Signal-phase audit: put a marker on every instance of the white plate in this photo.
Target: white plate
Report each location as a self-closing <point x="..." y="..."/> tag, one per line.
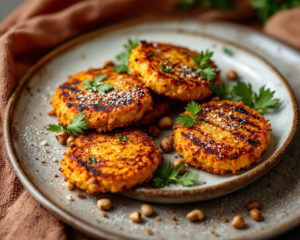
<point x="27" y="118"/>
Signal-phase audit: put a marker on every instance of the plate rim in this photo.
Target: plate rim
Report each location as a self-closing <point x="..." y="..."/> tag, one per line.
<point x="98" y="231"/>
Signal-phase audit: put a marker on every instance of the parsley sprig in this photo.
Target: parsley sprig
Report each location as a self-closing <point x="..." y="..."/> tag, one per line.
<point x="189" y="119"/>
<point x="166" y="174"/>
<point x="75" y="127"/>
<point x="166" y="69"/>
<point x="122" y="58"/>
<point x="261" y="101"/>
<point x="98" y="85"/>
<point x="203" y="66"/>
<point x="222" y="91"/>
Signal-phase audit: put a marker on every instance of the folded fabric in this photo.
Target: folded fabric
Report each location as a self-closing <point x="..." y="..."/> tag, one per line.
<point x="36" y="27"/>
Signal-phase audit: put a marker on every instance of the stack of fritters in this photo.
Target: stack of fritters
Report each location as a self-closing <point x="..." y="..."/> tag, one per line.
<point x="228" y="136"/>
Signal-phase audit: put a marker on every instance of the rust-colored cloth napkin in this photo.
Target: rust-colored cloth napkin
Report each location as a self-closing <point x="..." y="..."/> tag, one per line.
<point x="38" y="26"/>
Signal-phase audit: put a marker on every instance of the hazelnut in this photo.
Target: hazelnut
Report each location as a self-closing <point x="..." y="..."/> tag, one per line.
<point x="232" y="75"/>
<point x="148" y="231"/>
<point x="62" y="137"/>
<point x="238" y="222"/>
<point x="153" y="131"/>
<point x="69" y="186"/>
<point x="108" y="63"/>
<point x="135" y="217"/>
<point x="178" y="162"/>
<point x="195" y="215"/>
<point x="70" y="140"/>
<point x="158" y="218"/>
<point x="104" y="204"/>
<point x="256" y="214"/>
<point x="166" y="145"/>
<point x="165" y="123"/>
<point x="147" y="210"/>
<point x="253" y="204"/>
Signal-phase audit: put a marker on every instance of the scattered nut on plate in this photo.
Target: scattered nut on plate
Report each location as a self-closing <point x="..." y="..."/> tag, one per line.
<point x="104" y="204"/>
<point x="135" y="217"/>
<point x="256" y="214"/>
<point x="147" y="210"/>
<point x="153" y="131"/>
<point x="238" y="222"/>
<point x="166" y="145"/>
<point x="232" y="75"/>
<point x="178" y="162"/>
<point x="195" y="215"/>
<point x="62" y="137"/>
<point x="70" y="140"/>
<point x="165" y="123"/>
<point x="69" y="186"/>
<point x="253" y="204"/>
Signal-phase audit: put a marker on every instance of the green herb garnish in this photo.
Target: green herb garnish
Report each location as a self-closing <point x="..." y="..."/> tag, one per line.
<point x="222" y="5"/>
<point x="154" y="54"/>
<point x="189" y="119"/>
<point x="123" y="139"/>
<point x="261" y="101"/>
<point x="122" y="159"/>
<point x="105" y="87"/>
<point x="203" y="66"/>
<point x="97" y="85"/>
<point x="228" y="51"/>
<point x="122" y="58"/>
<point x="222" y="91"/>
<point x="166" y="174"/>
<point x="166" y="69"/>
<point x="266" y="8"/>
<point x="75" y="127"/>
<point x="92" y="160"/>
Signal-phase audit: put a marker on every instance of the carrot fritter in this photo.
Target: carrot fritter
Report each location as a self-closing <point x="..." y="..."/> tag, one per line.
<point x="126" y="103"/>
<point x="181" y="82"/>
<point x="228" y="136"/>
<point x="160" y="106"/>
<point x="111" y="162"/>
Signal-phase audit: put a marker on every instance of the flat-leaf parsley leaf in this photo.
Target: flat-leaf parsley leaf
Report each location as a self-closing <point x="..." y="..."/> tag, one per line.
<point x="222" y="91"/>
<point x="75" y="127"/>
<point x="92" y="160"/>
<point x="123" y="139"/>
<point x="203" y="66"/>
<point x="122" y="58"/>
<point x="166" y="174"/>
<point x="167" y="69"/>
<point x="189" y="119"/>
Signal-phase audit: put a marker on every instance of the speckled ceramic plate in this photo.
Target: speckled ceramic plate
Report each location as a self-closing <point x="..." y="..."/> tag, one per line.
<point x="26" y="121"/>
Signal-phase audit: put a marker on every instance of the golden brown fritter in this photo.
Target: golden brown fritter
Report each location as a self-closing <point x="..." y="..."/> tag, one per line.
<point x="228" y="136"/>
<point x="126" y="103"/>
<point x="184" y="84"/>
<point x="160" y="106"/>
<point x="111" y="162"/>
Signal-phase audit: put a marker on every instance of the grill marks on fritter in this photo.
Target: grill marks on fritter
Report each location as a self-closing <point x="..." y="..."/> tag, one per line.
<point x="103" y="167"/>
<point x="234" y="122"/>
<point x="81" y="99"/>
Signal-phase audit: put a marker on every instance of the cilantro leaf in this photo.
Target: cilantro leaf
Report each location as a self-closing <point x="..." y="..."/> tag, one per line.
<point x="265" y="99"/>
<point x="228" y="51"/>
<point x="244" y="91"/>
<point x="77" y="126"/>
<point x="166" y="174"/>
<point x="188" y="179"/>
<point x="208" y="73"/>
<point x="154" y="54"/>
<point x="122" y="58"/>
<point x="56" y="128"/>
<point x="203" y="66"/>
<point x="105" y="87"/>
<point x="193" y="107"/>
<point x="97" y="85"/>
<point x="189" y="119"/>
<point x="222" y="91"/>
<point x="166" y="69"/>
<point x="123" y="139"/>
<point x="92" y="160"/>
